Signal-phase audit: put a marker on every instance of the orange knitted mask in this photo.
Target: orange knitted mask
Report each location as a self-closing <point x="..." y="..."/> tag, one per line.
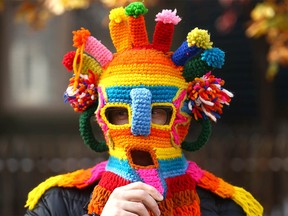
<point x="139" y="77"/>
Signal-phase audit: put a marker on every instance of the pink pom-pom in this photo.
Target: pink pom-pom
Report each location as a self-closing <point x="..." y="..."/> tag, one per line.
<point x="68" y="60"/>
<point x="167" y="17"/>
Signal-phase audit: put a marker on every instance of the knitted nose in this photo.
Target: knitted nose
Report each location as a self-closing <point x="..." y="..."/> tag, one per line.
<point x="141" y="111"/>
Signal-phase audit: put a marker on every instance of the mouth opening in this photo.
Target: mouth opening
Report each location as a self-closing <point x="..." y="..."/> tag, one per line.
<point x="141" y="158"/>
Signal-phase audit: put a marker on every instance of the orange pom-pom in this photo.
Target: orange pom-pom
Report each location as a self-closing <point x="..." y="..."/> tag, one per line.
<point x="80" y="37"/>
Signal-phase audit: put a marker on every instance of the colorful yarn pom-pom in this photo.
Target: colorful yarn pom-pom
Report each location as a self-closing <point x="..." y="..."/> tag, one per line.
<point x="207" y="97"/>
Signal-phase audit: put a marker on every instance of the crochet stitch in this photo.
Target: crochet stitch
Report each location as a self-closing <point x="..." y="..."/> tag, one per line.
<point x="139" y="76"/>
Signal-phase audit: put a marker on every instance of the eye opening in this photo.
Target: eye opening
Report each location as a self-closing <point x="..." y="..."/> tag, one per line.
<point x="117" y="115"/>
<point x="161" y="115"/>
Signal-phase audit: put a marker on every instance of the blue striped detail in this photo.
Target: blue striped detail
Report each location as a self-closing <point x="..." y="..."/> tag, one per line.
<point x="163" y="183"/>
<point x="167" y="168"/>
<point x="159" y="93"/>
<point x="122" y="168"/>
<point x="173" y="167"/>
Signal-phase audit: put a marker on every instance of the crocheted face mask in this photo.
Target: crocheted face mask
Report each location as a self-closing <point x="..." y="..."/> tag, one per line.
<point x="138" y="79"/>
<point x="155" y="83"/>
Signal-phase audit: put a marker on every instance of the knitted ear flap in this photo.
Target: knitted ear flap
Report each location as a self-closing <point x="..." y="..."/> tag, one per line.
<point x="202" y="138"/>
<point x="86" y="130"/>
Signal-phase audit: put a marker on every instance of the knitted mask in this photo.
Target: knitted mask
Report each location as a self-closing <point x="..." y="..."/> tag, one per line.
<point x="139" y="78"/>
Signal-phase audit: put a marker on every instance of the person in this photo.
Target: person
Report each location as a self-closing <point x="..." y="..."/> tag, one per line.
<point x="144" y="97"/>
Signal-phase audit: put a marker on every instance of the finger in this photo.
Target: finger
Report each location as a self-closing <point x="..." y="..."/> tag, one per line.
<point x="118" y="213"/>
<point x="119" y="208"/>
<point x="148" y="188"/>
<point x="141" y="196"/>
<point x="135" y="207"/>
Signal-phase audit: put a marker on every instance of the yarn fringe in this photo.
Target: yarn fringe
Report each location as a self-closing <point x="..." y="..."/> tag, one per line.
<point x="79" y="179"/>
<point x="99" y="197"/>
<point x="223" y="189"/>
<point x="36" y="193"/>
<point x="251" y="206"/>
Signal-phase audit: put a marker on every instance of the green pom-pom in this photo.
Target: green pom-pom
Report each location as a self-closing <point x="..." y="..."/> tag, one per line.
<point x="136" y="9"/>
<point x="195" y="68"/>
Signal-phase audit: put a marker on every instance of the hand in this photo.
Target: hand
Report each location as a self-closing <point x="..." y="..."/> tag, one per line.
<point x="133" y="200"/>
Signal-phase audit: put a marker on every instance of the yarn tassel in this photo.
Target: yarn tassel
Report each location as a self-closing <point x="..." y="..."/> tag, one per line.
<point x="99" y="198"/>
<point x="79" y="40"/>
<point x="119" y="30"/>
<point x="74" y="179"/>
<point x="223" y="189"/>
<point x="109" y="181"/>
<point x="84" y="42"/>
<point x="36" y="193"/>
<point x="77" y="70"/>
<point x="247" y="202"/>
<point x="78" y="179"/>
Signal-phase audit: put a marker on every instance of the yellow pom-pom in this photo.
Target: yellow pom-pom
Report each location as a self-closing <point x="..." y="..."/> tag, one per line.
<point x="200" y="38"/>
<point x="118" y="15"/>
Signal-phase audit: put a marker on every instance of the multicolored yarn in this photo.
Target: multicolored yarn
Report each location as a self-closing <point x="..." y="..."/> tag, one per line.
<point x="140" y="76"/>
<point x="197" y="40"/>
<point x="78" y="179"/>
<point x="223" y="189"/>
<point x="180" y="188"/>
<point x="207" y="97"/>
<point x="86" y="93"/>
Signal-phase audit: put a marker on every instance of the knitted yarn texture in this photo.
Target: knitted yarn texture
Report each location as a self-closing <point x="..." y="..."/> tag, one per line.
<point x="137" y="78"/>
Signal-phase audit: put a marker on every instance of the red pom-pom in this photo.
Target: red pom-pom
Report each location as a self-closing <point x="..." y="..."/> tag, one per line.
<point x="68" y="60"/>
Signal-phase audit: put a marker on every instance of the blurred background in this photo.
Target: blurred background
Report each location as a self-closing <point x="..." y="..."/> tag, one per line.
<point x="39" y="133"/>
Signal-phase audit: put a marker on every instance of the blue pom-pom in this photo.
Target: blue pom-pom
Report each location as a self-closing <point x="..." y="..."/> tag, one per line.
<point x="214" y="57"/>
